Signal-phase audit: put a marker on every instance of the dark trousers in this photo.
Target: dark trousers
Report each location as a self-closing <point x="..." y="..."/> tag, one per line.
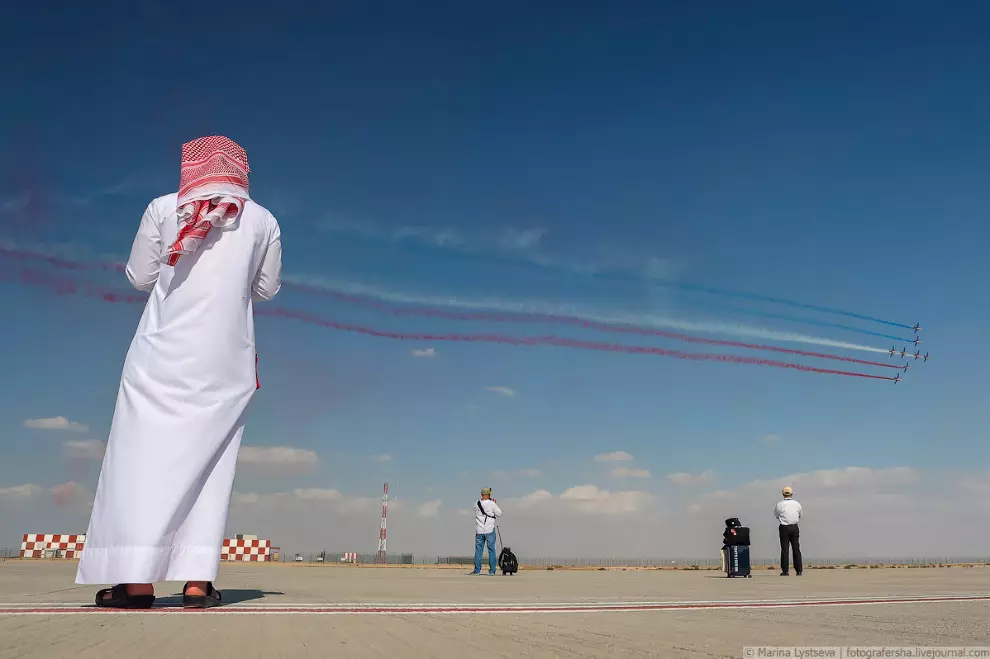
<point x="790" y="535"/>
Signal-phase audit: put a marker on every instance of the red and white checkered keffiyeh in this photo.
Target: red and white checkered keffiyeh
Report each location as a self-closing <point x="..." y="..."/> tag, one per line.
<point x="213" y="186"/>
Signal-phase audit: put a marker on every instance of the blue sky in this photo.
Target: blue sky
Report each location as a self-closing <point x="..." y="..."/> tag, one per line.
<point x="560" y="156"/>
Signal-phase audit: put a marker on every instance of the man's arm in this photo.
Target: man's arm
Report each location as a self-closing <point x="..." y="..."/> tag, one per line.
<point x="799" y="511"/>
<point x="146" y="252"/>
<point x="776" y="511"/>
<point x="268" y="281"/>
<point x="497" y="512"/>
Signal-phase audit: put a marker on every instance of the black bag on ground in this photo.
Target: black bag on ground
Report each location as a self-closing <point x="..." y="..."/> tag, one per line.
<point x="736" y="536"/>
<point x="735" y="533"/>
<point x="507" y="562"/>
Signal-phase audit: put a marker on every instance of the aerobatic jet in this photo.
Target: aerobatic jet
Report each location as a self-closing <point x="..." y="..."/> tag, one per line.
<point x="903" y="353"/>
<point x="926" y="357"/>
<point x="907" y="365"/>
<point x="897" y="379"/>
<point x="917" y="327"/>
<point x="916" y="341"/>
<point x="892" y="351"/>
<point x="917" y="355"/>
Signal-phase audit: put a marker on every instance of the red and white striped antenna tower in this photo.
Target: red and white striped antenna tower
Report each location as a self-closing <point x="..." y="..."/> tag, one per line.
<point x="382" y="557"/>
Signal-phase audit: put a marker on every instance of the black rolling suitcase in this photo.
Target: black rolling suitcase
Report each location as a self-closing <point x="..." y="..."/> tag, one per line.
<point x="735" y="549"/>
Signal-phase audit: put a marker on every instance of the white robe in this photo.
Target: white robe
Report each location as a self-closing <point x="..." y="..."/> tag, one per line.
<point x="164" y="492"/>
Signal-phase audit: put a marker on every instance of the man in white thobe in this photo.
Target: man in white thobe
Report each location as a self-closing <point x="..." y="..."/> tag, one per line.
<point x="204" y="254"/>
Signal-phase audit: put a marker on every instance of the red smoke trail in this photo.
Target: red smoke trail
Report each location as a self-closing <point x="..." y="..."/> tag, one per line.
<point x="58" y="262"/>
<point x="510" y="317"/>
<point x="280" y="312"/>
<point x="66" y="286"/>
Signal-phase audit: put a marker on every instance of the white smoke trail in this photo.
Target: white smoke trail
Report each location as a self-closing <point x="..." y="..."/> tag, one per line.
<point x="541" y="307"/>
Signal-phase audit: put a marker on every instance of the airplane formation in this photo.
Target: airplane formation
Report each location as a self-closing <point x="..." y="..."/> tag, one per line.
<point x="905" y="354"/>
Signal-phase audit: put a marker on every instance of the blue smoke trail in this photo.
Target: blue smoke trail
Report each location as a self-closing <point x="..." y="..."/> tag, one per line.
<point x="777" y="300"/>
<point x="806" y="321"/>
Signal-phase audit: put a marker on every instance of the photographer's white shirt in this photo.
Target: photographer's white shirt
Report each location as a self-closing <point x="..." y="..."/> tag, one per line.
<point x="485" y="523"/>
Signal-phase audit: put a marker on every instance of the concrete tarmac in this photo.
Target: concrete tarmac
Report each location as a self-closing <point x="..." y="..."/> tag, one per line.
<point x="410" y="613"/>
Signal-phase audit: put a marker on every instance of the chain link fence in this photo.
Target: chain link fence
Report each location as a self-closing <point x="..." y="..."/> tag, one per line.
<point x="323" y="556"/>
<point x="681" y="563"/>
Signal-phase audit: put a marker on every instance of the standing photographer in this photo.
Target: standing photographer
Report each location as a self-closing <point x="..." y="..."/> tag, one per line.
<point x="485" y="513"/>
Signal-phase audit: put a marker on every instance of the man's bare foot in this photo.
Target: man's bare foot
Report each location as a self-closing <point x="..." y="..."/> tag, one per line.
<point x="196" y="588"/>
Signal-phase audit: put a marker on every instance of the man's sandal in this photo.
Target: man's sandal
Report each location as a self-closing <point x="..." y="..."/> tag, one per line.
<point x="212" y="598"/>
<point x="120" y="599"/>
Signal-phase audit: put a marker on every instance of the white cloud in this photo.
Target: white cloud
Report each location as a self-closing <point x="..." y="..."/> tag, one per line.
<point x="425" y="353"/>
<point x="583" y="499"/>
<point x="628" y="522"/>
<point x="977" y="485"/>
<point x="429" y="508"/>
<point x="499" y="474"/>
<point x="384" y="457"/>
<point x="626" y="472"/>
<point x="83" y="449"/>
<point x="502" y="391"/>
<point x="56" y="423"/>
<point x="593" y="500"/>
<point x="425" y="235"/>
<point x="15" y="204"/>
<point x="133" y="183"/>
<point x="245" y="498"/>
<point x="614" y="456"/>
<point x="827" y="486"/>
<point x="533" y="498"/>
<point x="317" y="494"/>
<point x="846" y="477"/>
<point x="529" y="473"/>
<point x="521" y="244"/>
<point x="525" y="240"/>
<point x="62" y="495"/>
<point x="303" y="503"/>
<point x="278" y="457"/>
<point x="770" y="439"/>
<point x="19" y="492"/>
<point x="69" y="494"/>
<point x="685" y="479"/>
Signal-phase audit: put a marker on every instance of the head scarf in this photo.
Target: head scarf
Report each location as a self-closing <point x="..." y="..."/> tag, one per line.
<point x="213" y="186"/>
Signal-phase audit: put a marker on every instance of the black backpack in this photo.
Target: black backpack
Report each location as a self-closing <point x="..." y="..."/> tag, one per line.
<point x="507" y="562"/>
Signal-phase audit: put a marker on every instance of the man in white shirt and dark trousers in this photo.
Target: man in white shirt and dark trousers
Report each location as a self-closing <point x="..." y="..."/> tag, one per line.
<point x="788" y="514"/>
<point x="485" y="513"/>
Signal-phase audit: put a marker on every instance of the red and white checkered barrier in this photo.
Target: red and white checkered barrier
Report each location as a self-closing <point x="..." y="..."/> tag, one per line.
<point x="246" y="550"/>
<point x="349" y="557"/>
<point x="52" y="545"/>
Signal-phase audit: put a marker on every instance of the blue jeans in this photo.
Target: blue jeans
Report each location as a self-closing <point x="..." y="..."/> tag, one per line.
<point x="480" y="539"/>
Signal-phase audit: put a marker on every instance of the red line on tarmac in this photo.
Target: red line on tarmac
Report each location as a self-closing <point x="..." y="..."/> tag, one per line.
<point x="428" y="610"/>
